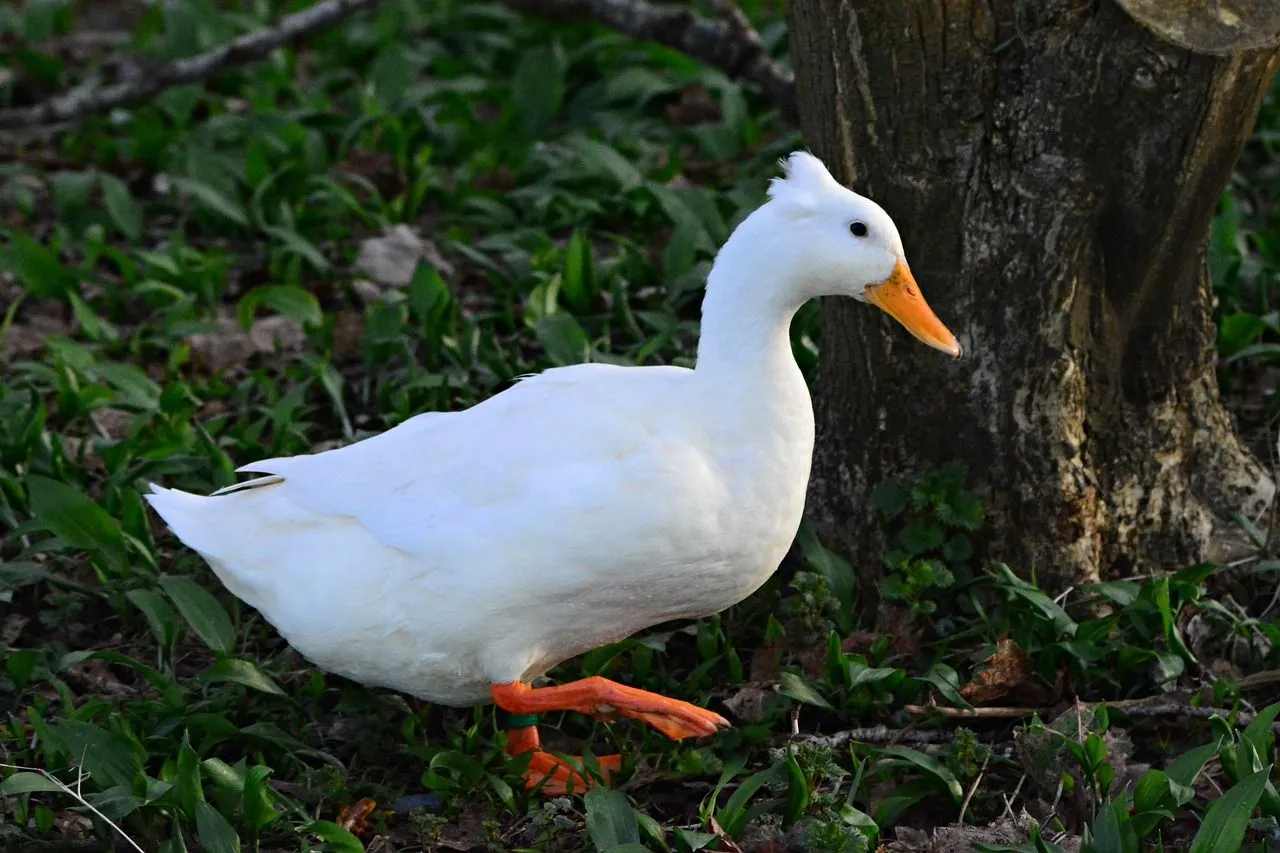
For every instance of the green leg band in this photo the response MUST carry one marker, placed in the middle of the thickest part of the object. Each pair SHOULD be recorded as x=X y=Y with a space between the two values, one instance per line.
x=521 y=721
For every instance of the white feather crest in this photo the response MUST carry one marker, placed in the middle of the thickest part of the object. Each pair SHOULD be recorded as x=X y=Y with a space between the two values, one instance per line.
x=803 y=183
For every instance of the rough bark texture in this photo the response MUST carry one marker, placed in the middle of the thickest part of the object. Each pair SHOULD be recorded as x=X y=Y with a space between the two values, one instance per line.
x=1053 y=167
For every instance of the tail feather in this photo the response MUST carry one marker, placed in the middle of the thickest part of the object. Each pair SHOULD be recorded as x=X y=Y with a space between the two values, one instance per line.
x=187 y=516
x=255 y=483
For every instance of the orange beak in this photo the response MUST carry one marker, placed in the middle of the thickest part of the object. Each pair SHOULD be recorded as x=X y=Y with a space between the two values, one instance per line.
x=899 y=296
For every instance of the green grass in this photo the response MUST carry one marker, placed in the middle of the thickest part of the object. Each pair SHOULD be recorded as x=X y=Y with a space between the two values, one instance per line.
x=182 y=291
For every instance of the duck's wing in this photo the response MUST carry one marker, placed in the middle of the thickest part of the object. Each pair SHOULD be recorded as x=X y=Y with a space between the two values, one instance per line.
x=591 y=444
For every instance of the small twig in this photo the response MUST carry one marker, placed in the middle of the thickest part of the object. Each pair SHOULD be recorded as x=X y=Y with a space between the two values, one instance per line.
x=83 y=101
x=1147 y=706
x=732 y=12
x=1012 y=798
x=1259 y=679
x=732 y=46
x=973 y=789
x=76 y=795
x=989 y=713
x=876 y=735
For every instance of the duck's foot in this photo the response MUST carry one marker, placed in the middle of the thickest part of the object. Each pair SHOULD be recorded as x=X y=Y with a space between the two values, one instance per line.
x=552 y=775
x=601 y=697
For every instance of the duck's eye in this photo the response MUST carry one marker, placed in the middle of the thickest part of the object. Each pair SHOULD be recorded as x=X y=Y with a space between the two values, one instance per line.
x=858 y=229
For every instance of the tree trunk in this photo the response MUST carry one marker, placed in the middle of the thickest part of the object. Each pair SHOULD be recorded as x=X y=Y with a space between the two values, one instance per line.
x=1053 y=167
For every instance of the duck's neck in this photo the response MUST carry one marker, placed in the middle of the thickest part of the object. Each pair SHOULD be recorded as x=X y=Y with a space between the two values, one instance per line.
x=746 y=316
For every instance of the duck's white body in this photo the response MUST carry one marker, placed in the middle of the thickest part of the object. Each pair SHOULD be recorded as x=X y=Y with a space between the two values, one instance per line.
x=488 y=545
x=579 y=506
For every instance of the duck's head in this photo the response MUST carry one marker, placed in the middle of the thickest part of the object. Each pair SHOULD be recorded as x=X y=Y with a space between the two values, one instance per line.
x=839 y=243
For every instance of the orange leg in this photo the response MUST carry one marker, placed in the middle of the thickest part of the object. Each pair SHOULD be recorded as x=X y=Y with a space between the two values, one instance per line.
x=551 y=774
x=601 y=697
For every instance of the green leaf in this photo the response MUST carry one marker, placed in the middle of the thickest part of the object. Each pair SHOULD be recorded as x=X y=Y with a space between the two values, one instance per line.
x=189 y=790
x=202 y=611
x=1122 y=593
x=929 y=765
x=1016 y=586
x=797 y=792
x=947 y=682
x=890 y=498
x=430 y=301
x=921 y=536
x=299 y=245
x=1238 y=330
x=121 y=207
x=223 y=774
x=213 y=200
x=860 y=821
x=91 y=323
x=601 y=159
x=241 y=672
x=74 y=518
x=611 y=821
x=107 y=757
x=860 y=674
x=1224 y=824
x=26 y=782
x=1151 y=791
x=901 y=798
x=800 y=690
x=694 y=840
x=563 y=339
x=37 y=268
x=258 y=801
x=577 y=280
x=839 y=574
x=116 y=803
x=216 y=834
x=161 y=618
x=735 y=815
x=538 y=88
x=1260 y=733
x=337 y=838
x=1184 y=769
x=288 y=300
x=1112 y=831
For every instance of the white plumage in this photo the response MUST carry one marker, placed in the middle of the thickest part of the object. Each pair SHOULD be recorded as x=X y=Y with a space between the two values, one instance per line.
x=573 y=509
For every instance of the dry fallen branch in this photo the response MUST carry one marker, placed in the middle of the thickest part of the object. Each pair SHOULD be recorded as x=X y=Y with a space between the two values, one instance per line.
x=989 y=713
x=876 y=735
x=1173 y=705
x=83 y=101
x=76 y=795
x=732 y=45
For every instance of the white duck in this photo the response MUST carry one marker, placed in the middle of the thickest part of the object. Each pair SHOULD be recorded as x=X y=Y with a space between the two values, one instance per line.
x=461 y=555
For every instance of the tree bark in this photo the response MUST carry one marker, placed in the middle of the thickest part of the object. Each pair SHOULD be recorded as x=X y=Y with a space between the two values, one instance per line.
x=1053 y=167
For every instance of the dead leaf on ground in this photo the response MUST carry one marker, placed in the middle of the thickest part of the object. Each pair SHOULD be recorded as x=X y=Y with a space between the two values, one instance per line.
x=112 y=423
x=766 y=664
x=900 y=624
x=1005 y=672
x=12 y=628
x=355 y=818
x=957 y=838
x=749 y=703
x=348 y=332
x=695 y=106
x=94 y=677
x=229 y=345
x=391 y=258
x=272 y=334
x=723 y=837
